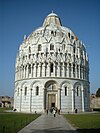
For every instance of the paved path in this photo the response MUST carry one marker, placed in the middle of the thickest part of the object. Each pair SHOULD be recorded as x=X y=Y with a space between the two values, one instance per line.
x=49 y=124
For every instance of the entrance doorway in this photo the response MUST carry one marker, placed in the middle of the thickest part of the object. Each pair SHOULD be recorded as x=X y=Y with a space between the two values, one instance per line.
x=52 y=104
x=51 y=94
x=51 y=100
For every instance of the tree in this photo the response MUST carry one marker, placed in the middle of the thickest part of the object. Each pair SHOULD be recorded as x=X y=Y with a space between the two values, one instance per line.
x=98 y=93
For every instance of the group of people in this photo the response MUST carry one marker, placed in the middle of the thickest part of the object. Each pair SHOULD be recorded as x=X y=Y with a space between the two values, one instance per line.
x=53 y=111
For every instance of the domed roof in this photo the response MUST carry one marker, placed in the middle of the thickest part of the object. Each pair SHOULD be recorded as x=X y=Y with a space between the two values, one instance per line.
x=52 y=14
x=52 y=18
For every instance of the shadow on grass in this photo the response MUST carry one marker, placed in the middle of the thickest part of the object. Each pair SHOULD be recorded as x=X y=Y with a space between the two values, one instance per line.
x=88 y=130
x=53 y=131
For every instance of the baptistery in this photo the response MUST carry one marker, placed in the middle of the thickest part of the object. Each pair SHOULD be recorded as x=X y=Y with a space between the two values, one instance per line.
x=52 y=70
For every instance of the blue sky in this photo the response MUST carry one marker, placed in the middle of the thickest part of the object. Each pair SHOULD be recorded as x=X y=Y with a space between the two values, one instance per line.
x=20 y=17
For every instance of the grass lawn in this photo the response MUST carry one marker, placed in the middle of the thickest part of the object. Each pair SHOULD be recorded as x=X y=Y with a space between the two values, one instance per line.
x=3 y=109
x=13 y=122
x=85 y=122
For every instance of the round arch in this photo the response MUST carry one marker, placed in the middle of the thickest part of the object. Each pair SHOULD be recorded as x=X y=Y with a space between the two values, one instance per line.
x=23 y=84
x=35 y=82
x=48 y=83
x=65 y=82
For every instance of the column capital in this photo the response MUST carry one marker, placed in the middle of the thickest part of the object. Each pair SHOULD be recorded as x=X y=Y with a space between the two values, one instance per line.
x=59 y=88
x=72 y=89
x=31 y=89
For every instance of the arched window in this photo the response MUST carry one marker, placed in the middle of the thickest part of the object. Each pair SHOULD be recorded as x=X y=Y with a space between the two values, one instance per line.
x=77 y=71
x=51 y=47
x=72 y=37
x=74 y=49
x=29 y=49
x=68 y=34
x=39 y=47
x=29 y=68
x=78 y=91
x=25 y=93
x=69 y=70
x=85 y=92
x=37 y=90
x=74 y=70
x=51 y=67
x=52 y=32
x=66 y=91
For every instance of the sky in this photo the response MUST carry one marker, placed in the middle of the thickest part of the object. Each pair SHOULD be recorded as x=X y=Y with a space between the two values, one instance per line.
x=22 y=17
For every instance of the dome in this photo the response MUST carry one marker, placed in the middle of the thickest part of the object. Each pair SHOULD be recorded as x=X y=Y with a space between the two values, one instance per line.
x=52 y=14
x=52 y=18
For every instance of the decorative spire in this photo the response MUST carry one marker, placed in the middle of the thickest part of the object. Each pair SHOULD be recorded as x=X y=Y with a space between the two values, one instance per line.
x=25 y=37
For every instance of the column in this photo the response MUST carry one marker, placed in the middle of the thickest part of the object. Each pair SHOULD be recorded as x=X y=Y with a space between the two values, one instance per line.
x=39 y=70
x=24 y=72
x=44 y=70
x=48 y=69
x=67 y=70
x=82 y=72
x=20 y=100
x=82 y=98
x=44 y=106
x=15 y=75
x=73 y=100
x=34 y=73
x=54 y=64
x=58 y=69
x=59 y=98
x=75 y=70
x=19 y=73
x=71 y=70
x=63 y=72
x=47 y=100
x=32 y=70
x=88 y=74
x=27 y=71
x=15 y=99
x=79 y=71
x=31 y=100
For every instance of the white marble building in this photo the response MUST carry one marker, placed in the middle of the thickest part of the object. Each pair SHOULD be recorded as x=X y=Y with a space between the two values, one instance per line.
x=52 y=70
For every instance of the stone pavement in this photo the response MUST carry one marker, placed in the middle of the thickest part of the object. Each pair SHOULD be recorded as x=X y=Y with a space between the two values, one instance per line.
x=49 y=124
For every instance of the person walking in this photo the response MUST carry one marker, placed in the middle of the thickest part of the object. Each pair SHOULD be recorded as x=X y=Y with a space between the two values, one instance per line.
x=47 y=111
x=54 y=113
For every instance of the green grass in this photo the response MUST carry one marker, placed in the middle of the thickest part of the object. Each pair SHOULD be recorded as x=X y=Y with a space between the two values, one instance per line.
x=3 y=109
x=13 y=122
x=84 y=121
